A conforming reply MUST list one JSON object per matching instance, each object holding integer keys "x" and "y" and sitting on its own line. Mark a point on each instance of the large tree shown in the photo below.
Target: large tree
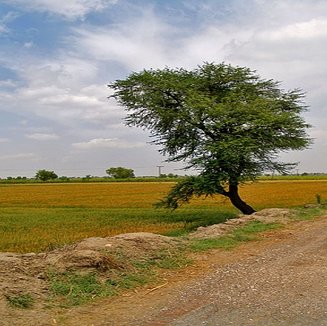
{"x": 120, "y": 173}
{"x": 45, "y": 175}
{"x": 224, "y": 121}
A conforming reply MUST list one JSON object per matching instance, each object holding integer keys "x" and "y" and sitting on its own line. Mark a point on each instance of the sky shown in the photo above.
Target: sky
{"x": 57, "y": 58}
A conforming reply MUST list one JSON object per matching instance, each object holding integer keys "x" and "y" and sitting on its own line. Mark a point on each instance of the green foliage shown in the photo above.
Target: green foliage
{"x": 120, "y": 173}
{"x": 191, "y": 187}
{"x": 45, "y": 175}
{"x": 224, "y": 121}
{"x": 23, "y": 301}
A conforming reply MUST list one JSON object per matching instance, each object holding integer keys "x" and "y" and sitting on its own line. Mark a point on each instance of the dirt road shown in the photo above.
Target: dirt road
{"x": 281, "y": 280}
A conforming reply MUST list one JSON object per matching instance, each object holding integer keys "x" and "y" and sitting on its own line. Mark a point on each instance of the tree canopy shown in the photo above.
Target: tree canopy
{"x": 45, "y": 175}
{"x": 120, "y": 172}
{"x": 223, "y": 121}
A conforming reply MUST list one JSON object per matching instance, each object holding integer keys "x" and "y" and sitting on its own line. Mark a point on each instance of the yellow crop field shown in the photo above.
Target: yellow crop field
{"x": 109, "y": 195}
{"x": 37, "y": 217}
{"x": 145, "y": 194}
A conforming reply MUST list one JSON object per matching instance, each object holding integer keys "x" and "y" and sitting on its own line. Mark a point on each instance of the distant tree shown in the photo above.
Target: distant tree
{"x": 45, "y": 175}
{"x": 120, "y": 172}
{"x": 169, "y": 175}
{"x": 224, "y": 121}
{"x": 64, "y": 178}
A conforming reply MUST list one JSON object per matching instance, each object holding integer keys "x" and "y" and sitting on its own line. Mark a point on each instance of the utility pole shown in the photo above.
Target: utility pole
{"x": 159, "y": 167}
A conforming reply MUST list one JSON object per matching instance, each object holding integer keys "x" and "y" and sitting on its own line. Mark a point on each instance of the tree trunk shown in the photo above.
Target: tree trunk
{"x": 236, "y": 200}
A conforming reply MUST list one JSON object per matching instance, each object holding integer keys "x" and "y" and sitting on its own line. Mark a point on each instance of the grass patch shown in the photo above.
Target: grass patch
{"x": 133, "y": 280}
{"x": 246, "y": 233}
{"x": 26, "y": 229}
{"x": 224, "y": 242}
{"x": 306, "y": 214}
{"x": 73, "y": 289}
{"x": 177, "y": 259}
{"x": 23, "y": 301}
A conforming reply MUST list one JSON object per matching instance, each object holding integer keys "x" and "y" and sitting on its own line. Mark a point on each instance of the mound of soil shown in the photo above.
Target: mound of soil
{"x": 268, "y": 215}
{"x": 27, "y": 273}
{"x": 104, "y": 254}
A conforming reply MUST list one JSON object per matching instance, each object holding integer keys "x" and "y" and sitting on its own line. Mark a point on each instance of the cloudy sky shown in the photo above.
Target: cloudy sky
{"x": 56, "y": 58}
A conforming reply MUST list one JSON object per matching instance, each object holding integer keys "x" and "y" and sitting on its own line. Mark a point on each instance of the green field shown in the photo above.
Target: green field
{"x": 43, "y": 216}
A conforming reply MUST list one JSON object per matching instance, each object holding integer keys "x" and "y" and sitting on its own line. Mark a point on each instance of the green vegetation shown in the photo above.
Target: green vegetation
{"x": 305, "y": 214}
{"x": 25, "y": 229}
{"x": 162, "y": 178}
{"x": 72, "y": 288}
{"x": 38, "y": 217}
{"x": 318, "y": 197}
{"x": 75, "y": 289}
{"x": 290, "y": 177}
{"x": 224, "y": 121}
{"x": 45, "y": 175}
{"x": 229, "y": 241}
{"x": 90, "y": 179}
{"x": 120, "y": 173}
{"x": 23, "y": 301}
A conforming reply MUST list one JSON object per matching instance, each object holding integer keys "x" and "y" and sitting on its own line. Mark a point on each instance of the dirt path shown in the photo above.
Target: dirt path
{"x": 281, "y": 280}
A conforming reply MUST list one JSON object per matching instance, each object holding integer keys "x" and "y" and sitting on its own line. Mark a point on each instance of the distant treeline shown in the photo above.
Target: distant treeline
{"x": 302, "y": 176}
{"x": 24, "y": 180}
{"x": 162, "y": 178}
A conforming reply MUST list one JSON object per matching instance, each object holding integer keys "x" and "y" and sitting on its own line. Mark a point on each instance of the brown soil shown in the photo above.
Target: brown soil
{"x": 280, "y": 280}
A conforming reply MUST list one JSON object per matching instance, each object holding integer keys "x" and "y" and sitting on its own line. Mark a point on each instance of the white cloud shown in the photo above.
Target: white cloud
{"x": 8, "y": 83}
{"x": 70, "y": 9}
{"x": 145, "y": 42}
{"x": 18, "y": 156}
{"x": 314, "y": 28}
{"x": 284, "y": 40}
{"x": 28, "y": 45}
{"x": 62, "y": 90}
{"x": 4, "y": 140}
{"x": 42, "y": 136}
{"x": 65, "y": 71}
{"x": 107, "y": 143}
{"x": 4, "y": 20}
{"x": 3, "y": 29}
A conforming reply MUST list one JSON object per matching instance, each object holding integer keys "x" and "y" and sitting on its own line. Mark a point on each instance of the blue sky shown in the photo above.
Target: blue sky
{"x": 56, "y": 58}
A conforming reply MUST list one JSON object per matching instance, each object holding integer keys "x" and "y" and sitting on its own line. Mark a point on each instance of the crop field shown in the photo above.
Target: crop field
{"x": 37, "y": 217}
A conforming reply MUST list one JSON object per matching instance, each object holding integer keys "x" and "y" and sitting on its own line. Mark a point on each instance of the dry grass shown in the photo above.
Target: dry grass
{"x": 263, "y": 194}
{"x": 143, "y": 195}
{"x": 109, "y": 195}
